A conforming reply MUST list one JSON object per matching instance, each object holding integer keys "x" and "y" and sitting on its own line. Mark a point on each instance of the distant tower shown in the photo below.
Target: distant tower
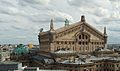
{"x": 51, "y": 25}
{"x": 66, "y": 22}
{"x": 105, "y": 38}
{"x": 82, "y": 18}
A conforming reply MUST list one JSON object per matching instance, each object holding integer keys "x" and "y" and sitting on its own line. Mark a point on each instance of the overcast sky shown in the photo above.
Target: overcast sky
{"x": 20, "y": 20}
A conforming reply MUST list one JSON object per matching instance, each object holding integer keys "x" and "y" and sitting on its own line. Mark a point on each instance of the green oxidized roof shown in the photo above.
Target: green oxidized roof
{"x": 20, "y": 49}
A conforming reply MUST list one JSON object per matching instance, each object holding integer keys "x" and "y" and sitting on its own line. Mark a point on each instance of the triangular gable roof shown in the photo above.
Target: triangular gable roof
{"x": 94, "y": 29}
{"x": 77, "y": 24}
{"x": 67, "y": 27}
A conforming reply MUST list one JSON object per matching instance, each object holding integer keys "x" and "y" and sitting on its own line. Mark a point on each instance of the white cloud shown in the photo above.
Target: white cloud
{"x": 60, "y": 16}
{"x": 102, "y": 12}
{"x": 89, "y": 3}
{"x": 26, "y": 17}
{"x": 44, "y": 2}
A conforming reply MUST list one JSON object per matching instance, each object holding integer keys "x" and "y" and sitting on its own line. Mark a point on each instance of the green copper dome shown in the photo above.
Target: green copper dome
{"x": 20, "y": 50}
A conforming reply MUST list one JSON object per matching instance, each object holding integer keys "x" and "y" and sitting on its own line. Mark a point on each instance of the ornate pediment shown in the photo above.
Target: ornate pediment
{"x": 70, "y": 31}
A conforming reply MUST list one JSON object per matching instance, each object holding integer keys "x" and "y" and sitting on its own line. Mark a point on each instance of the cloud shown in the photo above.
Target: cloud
{"x": 11, "y": 36}
{"x": 101, "y": 13}
{"x": 88, "y": 3}
{"x": 42, "y": 2}
{"x": 19, "y": 28}
{"x": 25, "y": 17}
{"x": 45, "y": 17}
{"x": 20, "y": 37}
{"x": 60, "y": 16}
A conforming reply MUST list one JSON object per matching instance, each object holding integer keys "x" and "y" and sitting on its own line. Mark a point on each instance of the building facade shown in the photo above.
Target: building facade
{"x": 10, "y": 66}
{"x": 80, "y": 37}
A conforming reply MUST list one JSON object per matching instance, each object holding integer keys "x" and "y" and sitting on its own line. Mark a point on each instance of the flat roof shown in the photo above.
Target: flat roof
{"x": 9, "y": 62}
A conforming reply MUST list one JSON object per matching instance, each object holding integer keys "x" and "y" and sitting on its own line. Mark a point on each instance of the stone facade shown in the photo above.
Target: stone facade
{"x": 103, "y": 60}
{"x": 107, "y": 65}
{"x": 80, "y": 37}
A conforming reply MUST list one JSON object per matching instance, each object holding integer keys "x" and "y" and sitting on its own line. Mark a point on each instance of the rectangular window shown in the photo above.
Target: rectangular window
{"x": 117, "y": 65}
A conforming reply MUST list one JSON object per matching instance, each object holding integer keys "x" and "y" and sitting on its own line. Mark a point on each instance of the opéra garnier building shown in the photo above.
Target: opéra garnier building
{"x": 80, "y": 37}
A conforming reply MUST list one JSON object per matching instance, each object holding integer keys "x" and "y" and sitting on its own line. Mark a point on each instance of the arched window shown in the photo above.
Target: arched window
{"x": 80, "y": 37}
{"x": 83, "y": 36}
{"x": 83, "y": 39}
